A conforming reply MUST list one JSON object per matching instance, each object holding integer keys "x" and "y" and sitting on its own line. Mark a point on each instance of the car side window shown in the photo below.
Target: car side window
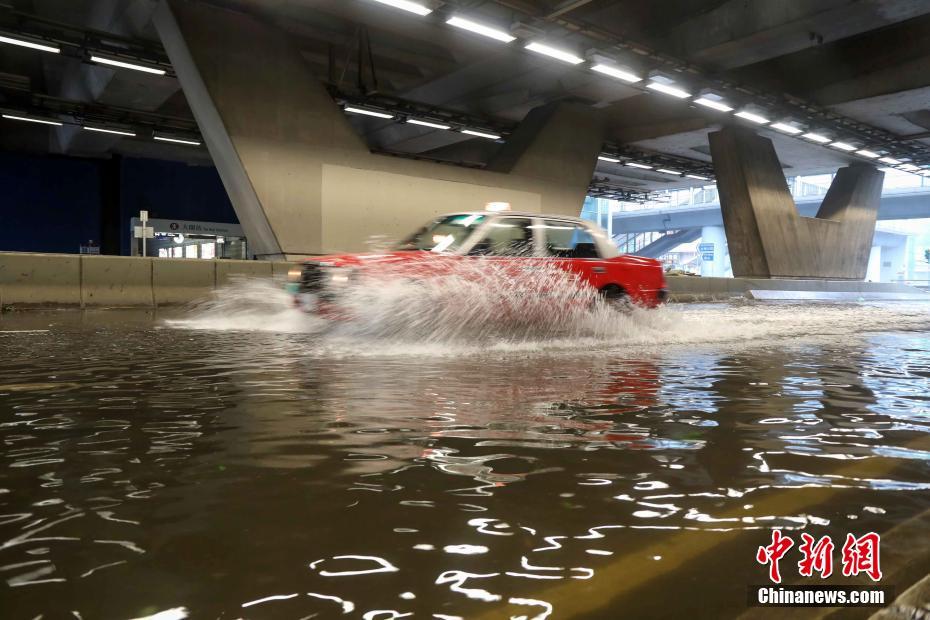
{"x": 568, "y": 240}
{"x": 507, "y": 236}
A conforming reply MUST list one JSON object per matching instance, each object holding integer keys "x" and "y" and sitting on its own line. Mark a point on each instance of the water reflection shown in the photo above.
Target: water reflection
{"x": 234, "y": 475}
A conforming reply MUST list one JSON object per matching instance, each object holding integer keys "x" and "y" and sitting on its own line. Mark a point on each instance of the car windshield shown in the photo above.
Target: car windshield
{"x": 446, "y": 234}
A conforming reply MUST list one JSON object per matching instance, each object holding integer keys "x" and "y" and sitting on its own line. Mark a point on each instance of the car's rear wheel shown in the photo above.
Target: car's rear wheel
{"x": 615, "y": 298}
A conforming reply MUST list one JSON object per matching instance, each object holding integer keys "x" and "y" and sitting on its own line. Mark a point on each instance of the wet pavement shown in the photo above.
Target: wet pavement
{"x": 252, "y": 465}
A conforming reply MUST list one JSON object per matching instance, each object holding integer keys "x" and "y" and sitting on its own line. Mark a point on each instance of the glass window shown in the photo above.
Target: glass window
{"x": 568, "y": 240}
{"x": 443, "y": 235}
{"x": 507, "y": 236}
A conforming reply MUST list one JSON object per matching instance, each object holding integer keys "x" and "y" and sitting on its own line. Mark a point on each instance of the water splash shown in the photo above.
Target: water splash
{"x": 481, "y": 306}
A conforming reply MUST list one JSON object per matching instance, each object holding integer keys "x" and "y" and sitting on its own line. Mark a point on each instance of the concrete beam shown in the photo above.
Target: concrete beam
{"x": 767, "y": 237}
{"x": 892, "y": 207}
{"x": 301, "y": 179}
{"x": 739, "y": 33}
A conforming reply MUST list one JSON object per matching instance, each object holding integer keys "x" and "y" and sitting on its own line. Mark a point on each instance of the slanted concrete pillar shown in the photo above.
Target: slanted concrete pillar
{"x": 300, "y": 178}
{"x": 766, "y": 235}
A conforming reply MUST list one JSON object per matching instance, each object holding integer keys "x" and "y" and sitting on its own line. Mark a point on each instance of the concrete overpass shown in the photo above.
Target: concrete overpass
{"x": 896, "y": 206}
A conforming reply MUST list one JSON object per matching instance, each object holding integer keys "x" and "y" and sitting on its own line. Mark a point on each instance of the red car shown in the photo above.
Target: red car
{"x": 511, "y": 246}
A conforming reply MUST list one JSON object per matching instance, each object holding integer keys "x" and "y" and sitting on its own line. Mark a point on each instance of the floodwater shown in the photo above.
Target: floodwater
{"x": 241, "y": 460}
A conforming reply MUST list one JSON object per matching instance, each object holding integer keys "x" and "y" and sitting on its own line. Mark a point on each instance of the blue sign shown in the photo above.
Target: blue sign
{"x": 705, "y": 247}
{"x": 708, "y": 256}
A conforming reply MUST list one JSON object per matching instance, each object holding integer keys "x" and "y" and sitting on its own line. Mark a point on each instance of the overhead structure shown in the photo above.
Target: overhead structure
{"x": 766, "y": 235}
{"x": 302, "y": 180}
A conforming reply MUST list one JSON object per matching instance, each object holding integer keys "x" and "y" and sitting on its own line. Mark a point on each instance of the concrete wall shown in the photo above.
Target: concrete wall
{"x": 34, "y": 280}
{"x": 302, "y": 180}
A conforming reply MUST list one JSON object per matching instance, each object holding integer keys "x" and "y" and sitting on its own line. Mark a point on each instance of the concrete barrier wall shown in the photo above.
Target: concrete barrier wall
{"x": 35, "y": 280}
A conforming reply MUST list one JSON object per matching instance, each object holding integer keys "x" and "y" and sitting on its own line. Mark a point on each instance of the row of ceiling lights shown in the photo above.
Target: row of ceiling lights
{"x": 53, "y": 48}
{"x": 665, "y": 84}
{"x": 93, "y": 56}
{"x": 109, "y": 130}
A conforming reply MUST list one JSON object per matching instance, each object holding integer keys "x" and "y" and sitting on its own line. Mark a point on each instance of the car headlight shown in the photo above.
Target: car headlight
{"x": 340, "y": 276}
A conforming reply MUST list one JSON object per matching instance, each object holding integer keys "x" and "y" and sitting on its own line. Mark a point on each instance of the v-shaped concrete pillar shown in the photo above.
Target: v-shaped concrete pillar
{"x": 768, "y": 238}
{"x": 303, "y": 182}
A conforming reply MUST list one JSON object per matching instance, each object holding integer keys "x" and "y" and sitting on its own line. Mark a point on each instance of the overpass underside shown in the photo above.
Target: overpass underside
{"x": 303, "y": 182}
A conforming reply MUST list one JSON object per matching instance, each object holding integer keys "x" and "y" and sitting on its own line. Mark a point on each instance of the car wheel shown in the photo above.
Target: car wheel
{"x": 615, "y": 298}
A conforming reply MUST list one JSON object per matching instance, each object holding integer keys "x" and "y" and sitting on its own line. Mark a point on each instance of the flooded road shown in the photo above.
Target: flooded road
{"x": 235, "y": 464}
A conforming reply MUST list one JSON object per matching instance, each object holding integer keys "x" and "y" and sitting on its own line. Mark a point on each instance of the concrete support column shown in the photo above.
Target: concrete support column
{"x": 716, "y": 237}
{"x": 300, "y": 178}
{"x": 767, "y": 236}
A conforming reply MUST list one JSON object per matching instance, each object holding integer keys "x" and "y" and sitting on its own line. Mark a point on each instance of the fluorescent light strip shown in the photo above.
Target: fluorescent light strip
{"x": 620, "y": 74}
{"x": 908, "y": 167}
{"x": 713, "y": 104}
{"x": 668, "y": 90}
{"x": 552, "y": 52}
{"x": 695, "y": 176}
{"x": 667, "y": 171}
{"x": 406, "y": 5}
{"x": 786, "y": 128}
{"x": 352, "y": 110}
{"x": 414, "y": 121}
{"x": 866, "y": 153}
{"x": 126, "y": 65}
{"x": 31, "y": 120}
{"x": 634, "y": 164}
{"x": 816, "y": 137}
{"x": 843, "y": 146}
{"x": 494, "y": 33}
{"x": 889, "y": 160}
{"x": 176, "y": 140}
{"x": 610, "y": 159}
{"x": 755, "y": 118}
{"x": 481, "y": 134}
{"x": 30, "y": 45}
{"x": 113, "y": 131}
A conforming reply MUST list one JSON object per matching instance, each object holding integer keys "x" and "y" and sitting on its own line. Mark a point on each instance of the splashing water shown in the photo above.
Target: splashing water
{"x": 479, "y": 306}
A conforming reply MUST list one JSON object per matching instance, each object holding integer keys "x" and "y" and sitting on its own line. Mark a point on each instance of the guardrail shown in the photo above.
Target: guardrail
{"x": 35, "y": 280}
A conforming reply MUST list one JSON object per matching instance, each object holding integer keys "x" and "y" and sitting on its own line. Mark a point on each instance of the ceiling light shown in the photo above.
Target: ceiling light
{"x": 31, "y": 120}
{"x": 889, "y": 160}
{"x": 176, "y": 140}
{"x": 368, "y": 112}
{"x": 414, "y": 121}
{"x": 866, "y": 153}
{"x": 610, "y": 159}
{"x": 126, "y": 65}
{"x": 35, "y": 46}
{"x": 637, "y": 165}
{"x": 667, "y": 171}
{"x": 467, "y": 24}
{"x": 113, "y": 131}
{"x": 668, "y": 89}
{"x": 816, "y": 137}
{"x": 843, "y": 146}
{"x": 888, "y": 169}
{"x": 552, "y": 52}
{"x": 617, "y": 72}
{"x": 786, "y": 128}
{"x": 695, "y": 176}
{"x": 713, "y": 103}
{"x": 908, "y": 167}
{"x": 755, "y": 118}
{"x": 481, "y": 134}
{"x": 406, "y": 5}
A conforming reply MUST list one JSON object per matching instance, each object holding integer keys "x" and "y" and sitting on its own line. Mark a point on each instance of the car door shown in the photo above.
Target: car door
{"x": 573, "y": 248}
